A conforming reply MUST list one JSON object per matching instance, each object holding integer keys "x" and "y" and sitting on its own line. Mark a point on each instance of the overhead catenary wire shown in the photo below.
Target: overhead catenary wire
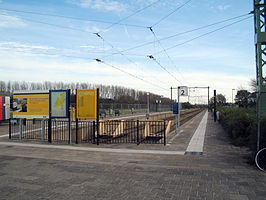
{"x": 163, "y": 18}
{"x": 55, "y": 25}
{"x": 86, "y": 58}
{"x": 130, "y": 74}
{"x": 138, "y": 46}
{"x": 134, "y": 13}
{"x": 182, "y": 33}
{"x": 60, "y": 26}
{"x": 202, "y": 35}
{"x": 152, "y": 58}
{"x": 98, "y": 35}
{"x": 68, "y": 17}
{"x": 166, "y": 53}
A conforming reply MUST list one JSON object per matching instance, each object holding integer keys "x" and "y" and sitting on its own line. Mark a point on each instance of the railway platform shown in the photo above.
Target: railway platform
{"x": 221, "y": 171}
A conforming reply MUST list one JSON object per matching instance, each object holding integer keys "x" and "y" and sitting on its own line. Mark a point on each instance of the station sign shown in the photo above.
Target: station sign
{"x": 86, "y": 103}
{"x": 31, "y": 104}
{"x": 183, "y": 91}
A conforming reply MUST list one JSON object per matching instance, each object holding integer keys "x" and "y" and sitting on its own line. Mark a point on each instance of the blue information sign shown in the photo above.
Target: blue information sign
{"x": 175, "y": 108}
{"x": 59, "y": 103}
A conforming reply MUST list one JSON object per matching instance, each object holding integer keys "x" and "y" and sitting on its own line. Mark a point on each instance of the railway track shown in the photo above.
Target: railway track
{"x": 185, "y": 115}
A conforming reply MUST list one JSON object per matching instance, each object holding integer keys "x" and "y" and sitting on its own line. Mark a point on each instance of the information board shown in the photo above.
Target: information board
{"x": 86, "y": 103}
{"x": 59, "y": 103}
{"x": 175, "y": 108}
{"x": 31, "y": 104}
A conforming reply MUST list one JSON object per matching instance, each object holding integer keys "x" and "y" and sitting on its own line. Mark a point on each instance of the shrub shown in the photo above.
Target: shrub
{"x": 240, "y": 124}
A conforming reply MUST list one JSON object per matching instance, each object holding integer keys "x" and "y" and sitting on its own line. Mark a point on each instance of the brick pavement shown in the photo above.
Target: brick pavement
{"x": 220, "y": 173}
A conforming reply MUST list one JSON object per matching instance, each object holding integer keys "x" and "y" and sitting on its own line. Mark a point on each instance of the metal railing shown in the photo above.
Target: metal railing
{"x": 109, "y": 131}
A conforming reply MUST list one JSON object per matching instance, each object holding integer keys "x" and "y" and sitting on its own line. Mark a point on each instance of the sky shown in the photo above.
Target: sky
{"x": 148, "y": 45}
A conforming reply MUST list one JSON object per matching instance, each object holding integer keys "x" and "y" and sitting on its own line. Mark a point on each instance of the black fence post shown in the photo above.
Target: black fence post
{"x": 49, "y": 130}
{"x": 69, "y": 119}
{"x": 77, "y": 128}
{"x": 9, "y": 128}
{"x": 93, "y": 132}
{"x": 98, "y": 121}
{"x": 77, "y": 123}
{"x": 137, "y": 132}
{"x": 98, "y": 135}
{"x": 164, "y": 133}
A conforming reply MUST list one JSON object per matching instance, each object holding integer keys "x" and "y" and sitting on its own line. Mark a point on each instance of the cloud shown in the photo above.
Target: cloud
{"x": 19, "y": 46}
{"x": 225, "y": 7}
{"x": 105, "y": 5}
{"x": 9, "y": 21}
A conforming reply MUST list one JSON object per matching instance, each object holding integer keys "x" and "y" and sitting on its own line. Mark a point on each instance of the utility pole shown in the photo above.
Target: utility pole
{"x": 214, "y": 110}
{"x": 208, "y": 98}
{"x": 171, "y": 94}
{"x": 260, "y": 45}
{"x": 232, "y": 97}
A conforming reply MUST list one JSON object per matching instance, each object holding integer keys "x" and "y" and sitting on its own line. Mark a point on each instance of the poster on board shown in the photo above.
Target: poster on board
{"x": 30, "y": 104}
{"x": 59, "y": 103}
{"x": 86, "y": 103}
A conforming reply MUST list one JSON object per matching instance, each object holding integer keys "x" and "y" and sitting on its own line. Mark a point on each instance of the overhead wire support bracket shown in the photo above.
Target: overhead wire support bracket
{"x": 98, "y": 60}
{"x": 151, "y": 57}
{"x": 98, "y": 35}
{"x": 150, "y": 28}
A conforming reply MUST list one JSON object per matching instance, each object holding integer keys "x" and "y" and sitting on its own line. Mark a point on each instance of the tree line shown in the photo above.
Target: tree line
{"x": 107, "y": 93}
{"x": 243, "y": 98}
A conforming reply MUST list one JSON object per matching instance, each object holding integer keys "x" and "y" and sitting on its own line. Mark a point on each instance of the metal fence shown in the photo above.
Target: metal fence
{"x": 137, "y": 107}
{"x": 109, "y": 131}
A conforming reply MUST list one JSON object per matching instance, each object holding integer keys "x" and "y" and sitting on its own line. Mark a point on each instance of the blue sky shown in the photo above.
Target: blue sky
{"x": 43, "y": 47}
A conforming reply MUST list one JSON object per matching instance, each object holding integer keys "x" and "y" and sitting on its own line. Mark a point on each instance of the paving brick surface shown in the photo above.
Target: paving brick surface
{"x": 221, "y": 172}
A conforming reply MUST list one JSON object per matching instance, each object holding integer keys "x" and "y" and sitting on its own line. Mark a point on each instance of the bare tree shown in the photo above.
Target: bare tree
{"x": 2, "y": 86}
{"x": 253, "y": 85}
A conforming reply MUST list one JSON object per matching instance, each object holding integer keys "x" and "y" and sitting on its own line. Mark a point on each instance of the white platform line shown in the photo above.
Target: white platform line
{"x": 197, "y": 141}
{"x": 106, "y": 150}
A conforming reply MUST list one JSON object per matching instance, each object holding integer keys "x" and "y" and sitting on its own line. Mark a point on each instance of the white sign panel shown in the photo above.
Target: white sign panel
{"x": 183, "y": 91}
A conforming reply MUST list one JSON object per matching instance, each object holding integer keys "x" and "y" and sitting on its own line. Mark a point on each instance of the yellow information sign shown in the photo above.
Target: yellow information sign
{"x": 30, "y": 105}
{"x": 87, "y": 103}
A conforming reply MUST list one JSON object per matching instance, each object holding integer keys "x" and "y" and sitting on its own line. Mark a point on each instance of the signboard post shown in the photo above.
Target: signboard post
{"x": 181, "y": 91}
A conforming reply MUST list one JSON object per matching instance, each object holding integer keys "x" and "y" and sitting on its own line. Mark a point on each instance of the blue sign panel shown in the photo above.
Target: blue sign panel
{"x": 59, "y": 103}
{"x": 175, "y": 108}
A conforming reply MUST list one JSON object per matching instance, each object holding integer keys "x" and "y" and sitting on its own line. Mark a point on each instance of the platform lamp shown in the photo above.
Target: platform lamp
{"x": 232, "y": 97}
{"x": 148, "y": 106}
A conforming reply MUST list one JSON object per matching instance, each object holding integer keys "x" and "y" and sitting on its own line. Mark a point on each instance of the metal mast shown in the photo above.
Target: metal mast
{"x": 260, "y": 43}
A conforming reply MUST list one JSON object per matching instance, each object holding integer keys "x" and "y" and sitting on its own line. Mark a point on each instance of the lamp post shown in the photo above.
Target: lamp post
{"x": 232, "y": 97}
{"x": 148, "y": 106}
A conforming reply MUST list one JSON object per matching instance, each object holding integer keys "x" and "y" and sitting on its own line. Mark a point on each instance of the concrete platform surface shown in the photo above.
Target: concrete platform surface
{"x": 49, "y": 173}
